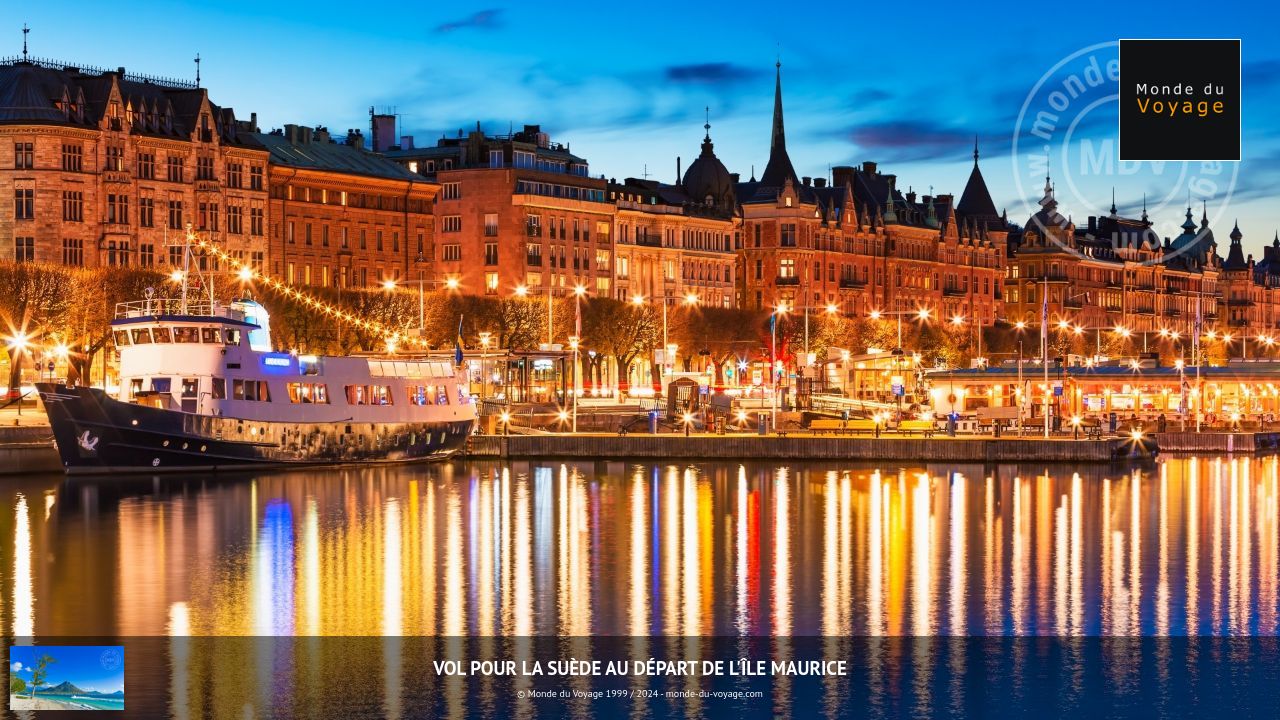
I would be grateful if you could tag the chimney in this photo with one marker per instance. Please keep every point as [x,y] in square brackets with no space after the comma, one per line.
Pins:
[841,175]
[291,132]
[735,177]
[819,182]
[406,142]
[1093,225]
[321,134]
[253,121]
[868,167]
[806,180]
[911,195]
[384,131]
[355,138]
[120,71]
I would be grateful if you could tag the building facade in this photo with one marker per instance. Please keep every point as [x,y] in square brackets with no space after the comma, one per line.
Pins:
[517,214]
[858,244]
[342,216]
[109,168]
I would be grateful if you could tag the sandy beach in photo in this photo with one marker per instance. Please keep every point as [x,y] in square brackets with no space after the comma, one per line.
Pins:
[25,702]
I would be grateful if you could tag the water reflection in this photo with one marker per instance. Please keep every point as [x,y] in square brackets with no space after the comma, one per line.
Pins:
[1187,546]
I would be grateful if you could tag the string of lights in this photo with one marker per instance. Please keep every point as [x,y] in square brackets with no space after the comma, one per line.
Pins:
[247,273]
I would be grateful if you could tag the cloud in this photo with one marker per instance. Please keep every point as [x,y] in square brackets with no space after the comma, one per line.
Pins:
[16,667]
[1260,73]
[710,73]
[905,140]
[490,19]
[869,96]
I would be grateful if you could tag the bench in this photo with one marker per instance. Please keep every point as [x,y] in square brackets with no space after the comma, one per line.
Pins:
[924,427]
[842,426]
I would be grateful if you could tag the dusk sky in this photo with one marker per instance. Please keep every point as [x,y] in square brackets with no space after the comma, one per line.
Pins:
[625,85]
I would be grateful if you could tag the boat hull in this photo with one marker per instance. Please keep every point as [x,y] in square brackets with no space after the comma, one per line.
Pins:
[98,434]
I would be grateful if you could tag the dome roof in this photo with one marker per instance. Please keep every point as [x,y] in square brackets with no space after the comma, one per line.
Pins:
[708,177]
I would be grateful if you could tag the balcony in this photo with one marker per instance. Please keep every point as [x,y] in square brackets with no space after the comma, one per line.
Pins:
[851,283]
[788,280]
[116,176]
[1239,302]
[1172,312]
[208,186]
[649,241]
[533,230]
[953,292]
[1144,311]
[534,261]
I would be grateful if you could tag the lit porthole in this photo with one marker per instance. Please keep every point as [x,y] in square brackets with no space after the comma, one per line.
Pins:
[165,443]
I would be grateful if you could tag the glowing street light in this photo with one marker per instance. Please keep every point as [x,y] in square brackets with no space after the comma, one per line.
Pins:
[957,320]
[245,274]
[522,291]
[1020,325]
[389,284]
[451,283]
[177,276]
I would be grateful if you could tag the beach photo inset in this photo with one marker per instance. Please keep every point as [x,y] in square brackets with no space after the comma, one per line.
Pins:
[66,677]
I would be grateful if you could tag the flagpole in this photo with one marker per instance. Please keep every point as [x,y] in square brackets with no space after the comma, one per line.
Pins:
[1044,347]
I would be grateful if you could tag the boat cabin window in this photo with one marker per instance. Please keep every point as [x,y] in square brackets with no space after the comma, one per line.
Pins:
[135,387]
[255,390]
[162,334]
[161,384]
[421,394]
[308,365]
[219,388]
[210,335]
[231,336]
[190,387]
[122,338]
[186,334]
[368,395]
[442,395]
[308,393]
[141,336]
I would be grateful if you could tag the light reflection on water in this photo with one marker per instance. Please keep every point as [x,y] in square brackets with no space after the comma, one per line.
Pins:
[1187,546]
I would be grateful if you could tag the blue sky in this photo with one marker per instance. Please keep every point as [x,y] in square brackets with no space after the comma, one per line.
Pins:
[82,666]
[625,85]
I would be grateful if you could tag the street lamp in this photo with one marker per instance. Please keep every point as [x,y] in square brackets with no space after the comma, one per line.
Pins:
[921,314]
[773,360]
[245,274]
[573,343]
[485,337]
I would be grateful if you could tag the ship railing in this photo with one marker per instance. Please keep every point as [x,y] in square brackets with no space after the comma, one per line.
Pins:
[173,306]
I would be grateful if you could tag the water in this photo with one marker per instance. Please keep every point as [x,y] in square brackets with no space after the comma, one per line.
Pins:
[703,561]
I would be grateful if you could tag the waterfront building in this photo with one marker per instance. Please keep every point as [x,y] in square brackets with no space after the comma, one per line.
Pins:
[679,243]
[861,244]
[1116,275]
[342,216]
[517,214]
[107,167]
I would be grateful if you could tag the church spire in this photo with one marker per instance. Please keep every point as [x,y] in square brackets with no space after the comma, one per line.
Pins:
[975,201]
[779,168]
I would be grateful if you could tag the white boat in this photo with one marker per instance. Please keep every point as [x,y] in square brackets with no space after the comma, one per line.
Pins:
[201,388]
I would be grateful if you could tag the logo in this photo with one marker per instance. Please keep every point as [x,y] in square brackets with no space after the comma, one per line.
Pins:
[1180,100]
[88,443]
[111,658]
